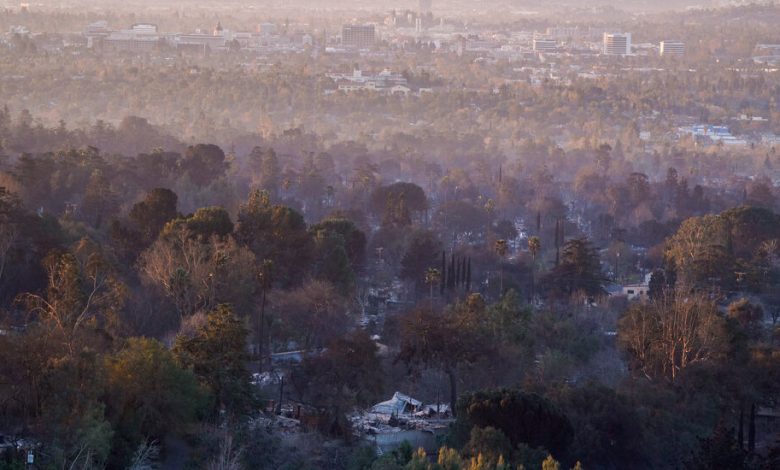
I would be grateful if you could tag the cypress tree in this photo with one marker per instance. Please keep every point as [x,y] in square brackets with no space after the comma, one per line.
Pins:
[557,242]
[468,275]
[563,226]
[451,280]
[460,272]
[443,279]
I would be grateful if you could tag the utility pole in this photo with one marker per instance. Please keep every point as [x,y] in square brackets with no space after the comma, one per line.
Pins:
[281,394]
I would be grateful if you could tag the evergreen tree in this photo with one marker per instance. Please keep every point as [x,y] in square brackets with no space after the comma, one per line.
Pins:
[269,172]
[217,356]
[579,271]
[99,201]
[720,450]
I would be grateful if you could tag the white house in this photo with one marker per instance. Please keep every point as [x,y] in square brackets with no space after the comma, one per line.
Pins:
[636,291]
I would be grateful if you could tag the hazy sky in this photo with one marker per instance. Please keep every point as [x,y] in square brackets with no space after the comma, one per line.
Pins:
[440,6]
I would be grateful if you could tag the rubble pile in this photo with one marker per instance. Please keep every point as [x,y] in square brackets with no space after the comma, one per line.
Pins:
[401,413]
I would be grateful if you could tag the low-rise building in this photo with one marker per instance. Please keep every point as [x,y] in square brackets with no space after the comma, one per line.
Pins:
[545,45]
[706,133]
[636,291]
[95,33]
[140,37]
[672,48]
[199,42]
[385,81]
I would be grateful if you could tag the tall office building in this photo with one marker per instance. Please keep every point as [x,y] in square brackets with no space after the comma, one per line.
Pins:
[617,43]
[425,6]
[360,36]
[672,48]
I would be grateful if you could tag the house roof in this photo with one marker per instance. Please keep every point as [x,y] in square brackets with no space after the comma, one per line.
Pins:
[396,405]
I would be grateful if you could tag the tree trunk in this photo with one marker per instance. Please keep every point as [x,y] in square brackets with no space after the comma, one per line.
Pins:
[260,331]
[443,280]
[281,396]
[752,429]
[557,243]
[741,432]
[453,390]
[468,276]
[533,278]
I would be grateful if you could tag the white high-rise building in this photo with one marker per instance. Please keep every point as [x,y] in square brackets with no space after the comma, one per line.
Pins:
[672,48]
[617,44]
[359,36]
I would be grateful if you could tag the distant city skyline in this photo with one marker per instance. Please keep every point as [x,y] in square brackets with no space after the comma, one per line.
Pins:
[451,6]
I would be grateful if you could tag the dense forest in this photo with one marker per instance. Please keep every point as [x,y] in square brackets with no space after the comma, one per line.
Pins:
[225,259]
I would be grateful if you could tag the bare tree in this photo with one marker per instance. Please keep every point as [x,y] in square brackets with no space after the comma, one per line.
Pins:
[145,457]
[197,275]
[81,287]
[229,457]
[312,315]
[180,266]
[667,335]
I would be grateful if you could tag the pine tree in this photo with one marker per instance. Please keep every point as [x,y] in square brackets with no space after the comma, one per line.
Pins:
[99,199]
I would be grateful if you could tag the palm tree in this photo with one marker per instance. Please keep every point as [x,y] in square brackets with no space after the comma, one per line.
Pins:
[432,277]
[501,247]
[534,245]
